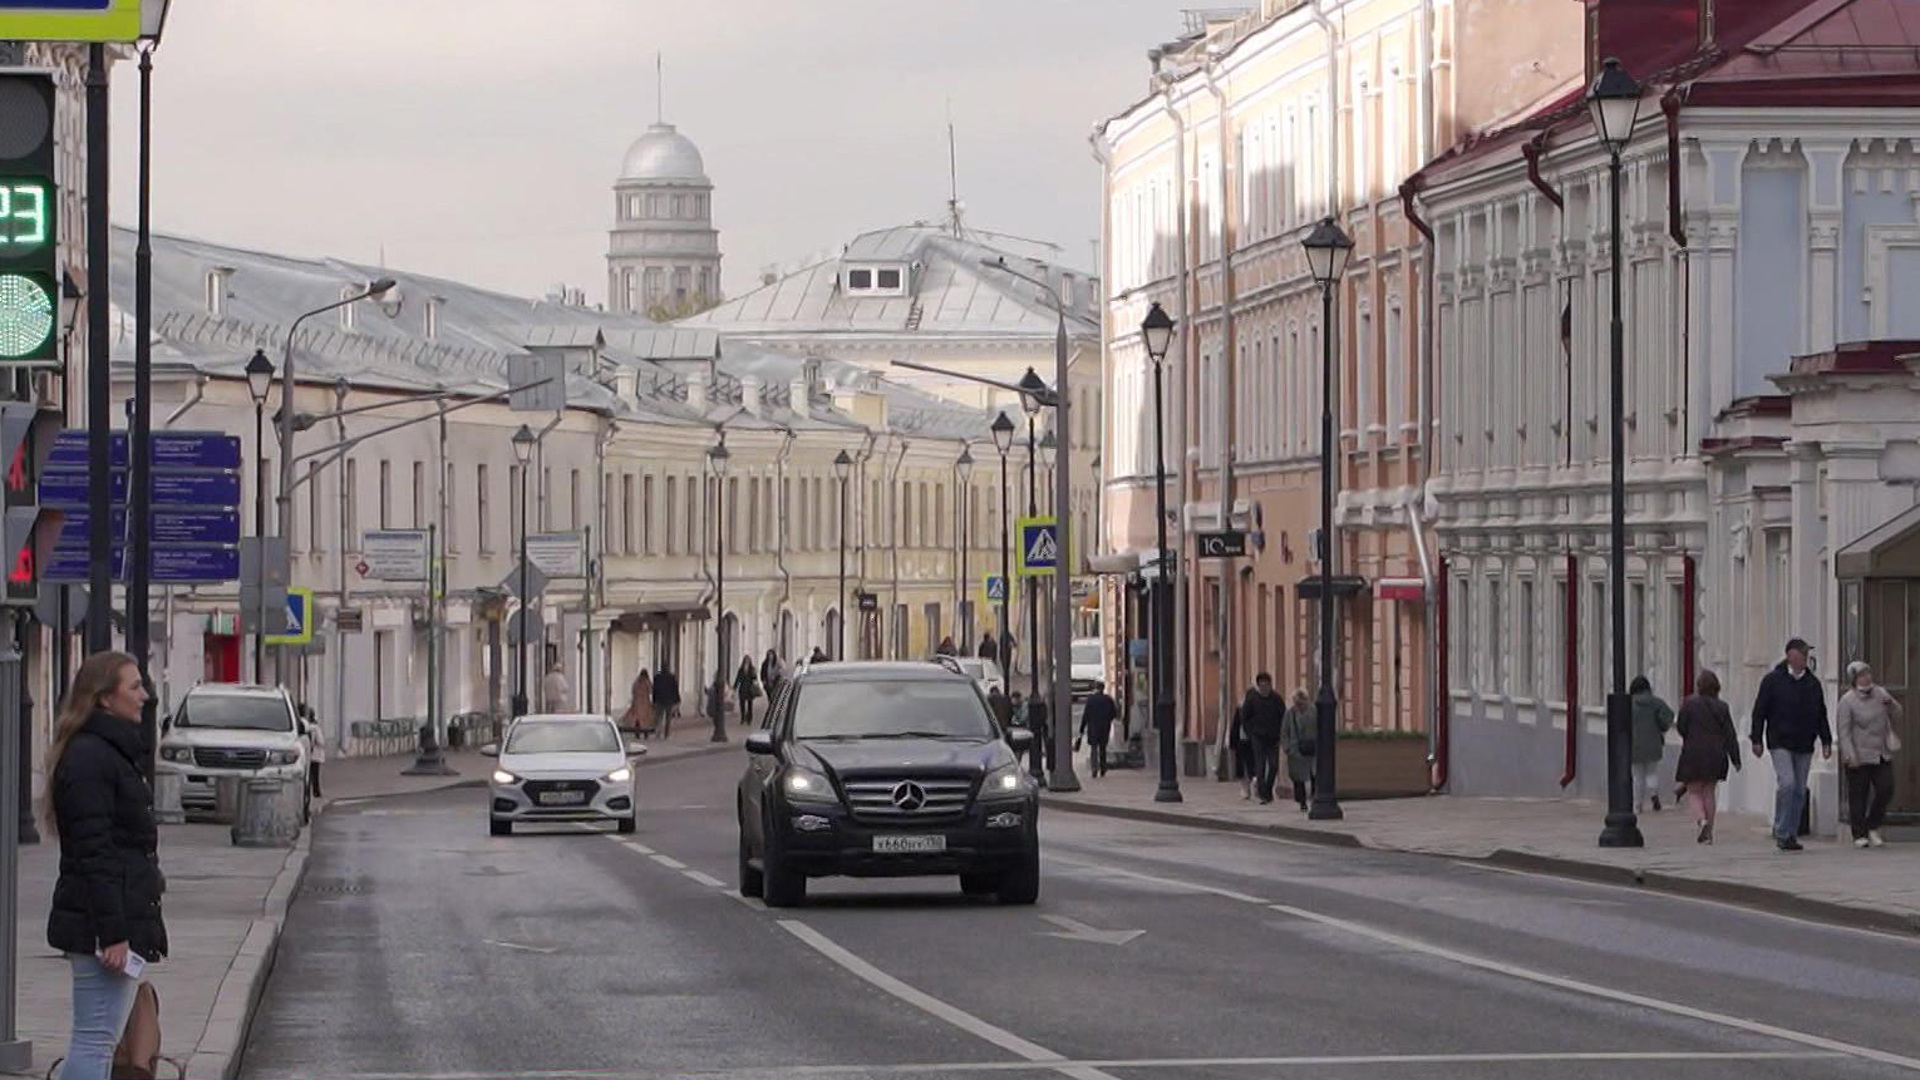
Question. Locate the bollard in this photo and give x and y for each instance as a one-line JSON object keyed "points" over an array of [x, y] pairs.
{"points": [[166, 798], [226, 799], [267, 816]]}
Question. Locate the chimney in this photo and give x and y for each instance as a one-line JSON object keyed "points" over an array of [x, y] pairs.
{"points": [[750, 394], [626, 384], [697, 391], [217, 278]]}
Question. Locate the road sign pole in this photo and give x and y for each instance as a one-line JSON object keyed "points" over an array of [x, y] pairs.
{"points": [[16, 1054], [99, 355]]}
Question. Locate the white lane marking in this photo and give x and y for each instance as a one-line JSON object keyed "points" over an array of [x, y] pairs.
{"points": [[1623, 997], [523, 948], [667, 861], [708, 880], [951, 1014], [1075, 930], [1643, 890], [915, 1068], [1190, 886]]}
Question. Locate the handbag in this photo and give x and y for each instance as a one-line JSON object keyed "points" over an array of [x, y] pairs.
{"points": [[1307, 745], [137, 1057]]}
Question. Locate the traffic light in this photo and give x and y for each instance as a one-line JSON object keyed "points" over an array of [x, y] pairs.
{"points": [[29, 228], [26, 440]]}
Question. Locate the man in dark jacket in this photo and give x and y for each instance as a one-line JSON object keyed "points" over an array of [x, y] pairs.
{"points": [[989, 649], [1789, 714], [1096, 726], [1260, 718], [666, 701]]}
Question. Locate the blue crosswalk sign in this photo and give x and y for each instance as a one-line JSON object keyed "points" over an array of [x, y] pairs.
{"points": [[299, 629], [996, 589], [1039, 546]]}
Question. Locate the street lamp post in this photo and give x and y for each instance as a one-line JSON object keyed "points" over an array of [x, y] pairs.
{"points": [[1328, 249], [1003, 441], [719, 456], [374, 290], [964, 612], [523, 441], [1156, 330], [1614, 100], [259, 381], [1032, 388], [842, 467]]}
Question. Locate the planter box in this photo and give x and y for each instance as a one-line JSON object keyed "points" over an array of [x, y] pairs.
{"points": [[1382, 768]]}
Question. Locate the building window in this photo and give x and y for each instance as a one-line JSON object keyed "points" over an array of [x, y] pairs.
{"points": [[627, 522], [682, 283], [420, 495], [679, 206], [886, 278], [655, 283], [646, 516], [706, 283], [353, 505], [576, 514], [672, 515], [516, 506], [1526, 640], [653, 206], [859, 280], [314, 532], [1496, 637], [482, 516], [630, 289], [693, 515], [452, 520], [347, 292]]}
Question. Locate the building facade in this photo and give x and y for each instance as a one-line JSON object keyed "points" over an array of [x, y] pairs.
{"points": [[1254, 127], [1767, 201]]}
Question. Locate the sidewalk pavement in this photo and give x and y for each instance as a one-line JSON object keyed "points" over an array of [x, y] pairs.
{"points": [[1831, 880], [224, 908]]}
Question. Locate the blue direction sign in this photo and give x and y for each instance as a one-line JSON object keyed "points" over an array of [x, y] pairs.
{"points": [[164, 527], [171, 565], [68, 490], [172, 450]]}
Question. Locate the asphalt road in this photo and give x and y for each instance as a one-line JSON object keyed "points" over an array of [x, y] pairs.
{"points": [[420, 947]]}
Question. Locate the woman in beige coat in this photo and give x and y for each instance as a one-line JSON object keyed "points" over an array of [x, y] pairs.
{"points": [[1863, 728]]}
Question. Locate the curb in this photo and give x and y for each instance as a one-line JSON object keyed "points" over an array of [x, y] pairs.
{"points": [[234, 1004], [1776, 901]]}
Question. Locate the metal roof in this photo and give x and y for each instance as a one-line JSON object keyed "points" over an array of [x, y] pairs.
{"points": [[949, 292]]}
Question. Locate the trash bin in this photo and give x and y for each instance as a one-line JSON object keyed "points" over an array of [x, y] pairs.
{"points": [[226, 799], [456, 736], [166, 798], [267, 816]]}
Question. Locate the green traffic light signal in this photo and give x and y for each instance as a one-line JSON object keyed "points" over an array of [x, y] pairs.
{"points": [[29, 226]]}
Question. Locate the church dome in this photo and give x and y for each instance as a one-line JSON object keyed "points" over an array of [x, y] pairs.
{"points": [[663, 154]]}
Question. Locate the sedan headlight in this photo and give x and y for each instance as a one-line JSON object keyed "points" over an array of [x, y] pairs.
{"points": [[805, 785], [502, 776], [282, 757], [1005, 780], [182, 754], [619, 776]]}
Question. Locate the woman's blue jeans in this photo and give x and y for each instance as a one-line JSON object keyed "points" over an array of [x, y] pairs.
{"points": [[102, 1000]]}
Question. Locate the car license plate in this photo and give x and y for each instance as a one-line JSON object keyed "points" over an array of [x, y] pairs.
{"points": [[562, 798], [906, 844]]}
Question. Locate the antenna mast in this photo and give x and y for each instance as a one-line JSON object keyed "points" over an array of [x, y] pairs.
{"points": [[953, 177], [659, 88]]}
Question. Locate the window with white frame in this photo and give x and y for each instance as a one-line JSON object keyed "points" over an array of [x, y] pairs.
{"points": [[1391, 135], [1396, 370], [1526, 643], [1363, 353], [1362, 144], [1496, 644]]}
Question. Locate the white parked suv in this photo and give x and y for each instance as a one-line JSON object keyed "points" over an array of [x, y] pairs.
{"points": [[231, 730]]}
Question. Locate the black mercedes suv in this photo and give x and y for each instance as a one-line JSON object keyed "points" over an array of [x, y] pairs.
{"points": [[886, 770]]}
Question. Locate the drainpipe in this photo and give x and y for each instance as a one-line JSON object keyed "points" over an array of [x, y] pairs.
{"points": [[1176, 419], [1532, 149], [1319, 17], [1439, 710], [1436, 764], [895, 537], [1223, 424], [780, 546], [199, 391]]}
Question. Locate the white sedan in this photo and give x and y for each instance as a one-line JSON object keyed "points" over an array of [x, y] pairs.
{"points": [[563, 768]]}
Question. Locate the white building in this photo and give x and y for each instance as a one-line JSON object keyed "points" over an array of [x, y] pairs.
{"points": [[1783, 227], [663, 253]]}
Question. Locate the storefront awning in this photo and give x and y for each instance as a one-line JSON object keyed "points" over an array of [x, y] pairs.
{"points": [[1343, 585], [658, 614], [1410, 590], [1892, 550]]}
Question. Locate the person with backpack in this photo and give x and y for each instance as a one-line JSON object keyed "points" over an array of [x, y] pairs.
{"points": [[1299, 733], [1789, 714], [105, 917], [1651, 720]]}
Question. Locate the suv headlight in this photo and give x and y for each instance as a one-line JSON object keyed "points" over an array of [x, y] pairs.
{"points": [[1004, 781], [282, 757], [182, 754], [805, 785]]}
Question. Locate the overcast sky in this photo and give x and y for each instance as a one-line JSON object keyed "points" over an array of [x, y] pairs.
{"points": [[479, 139]]}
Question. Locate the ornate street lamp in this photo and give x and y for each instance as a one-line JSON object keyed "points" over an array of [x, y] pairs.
{"points": [[1003, 441], [1328, 249], [1156, 331], [1614, 100], [523, 443], [719, 456], [842, 467], [964, 612], [259, 381]]}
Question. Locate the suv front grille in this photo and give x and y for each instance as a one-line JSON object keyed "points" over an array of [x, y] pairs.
{"points": [[910, 798], [218, 757]]}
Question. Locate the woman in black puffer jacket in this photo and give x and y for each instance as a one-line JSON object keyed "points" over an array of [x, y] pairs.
{"points": [[106, 904]]}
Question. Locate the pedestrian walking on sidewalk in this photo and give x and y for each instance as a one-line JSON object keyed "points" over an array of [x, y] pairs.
{"points": [[988, 649], [1708, 744], [1789, 714], [1652, 718], [772, 674], [1863, 724], [1096, 725], [1298, 734], [1243, 761], [639, 714], [316, 750], [1263, 715], [1002, 707], [554, 691], [666, 701], [746, 686], [946, 647], [106, 902]]}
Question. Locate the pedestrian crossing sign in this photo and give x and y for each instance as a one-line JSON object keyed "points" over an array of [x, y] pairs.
{"points": [[299, 629], [1039, 546], [994, 587]]}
